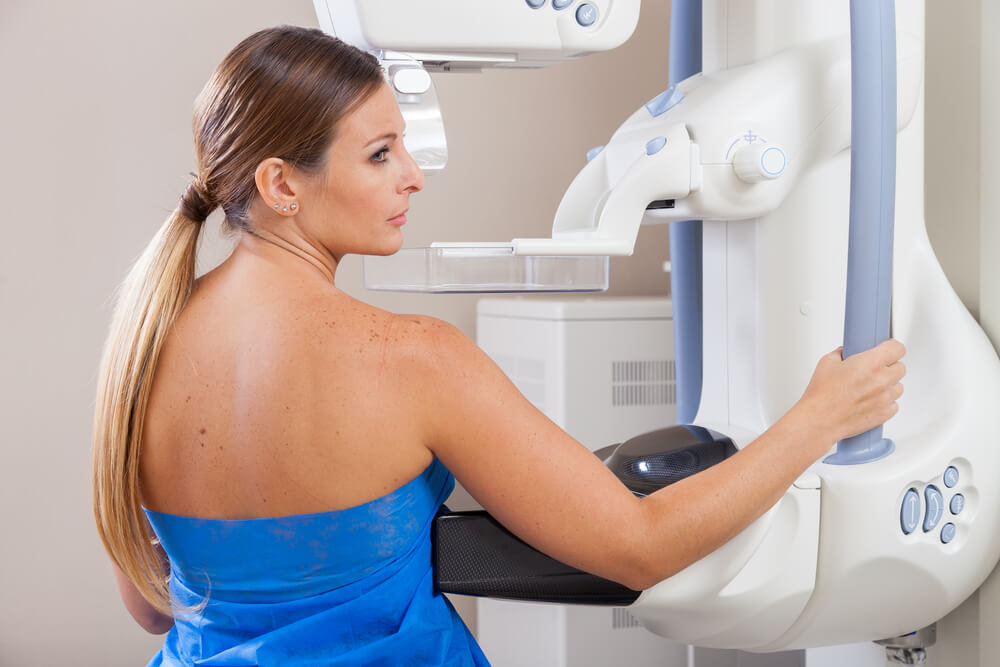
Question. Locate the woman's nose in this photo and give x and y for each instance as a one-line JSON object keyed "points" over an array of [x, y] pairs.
{"points": [[413, 177]]}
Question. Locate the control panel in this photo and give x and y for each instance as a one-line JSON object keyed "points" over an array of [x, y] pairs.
{"points": [[935, 508]]}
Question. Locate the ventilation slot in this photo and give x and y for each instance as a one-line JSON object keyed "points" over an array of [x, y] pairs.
{"points": [[621, 619], [643, 383]]}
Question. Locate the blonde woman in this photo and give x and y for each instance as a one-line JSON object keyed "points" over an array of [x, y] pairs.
{"points": [[269, 452]]}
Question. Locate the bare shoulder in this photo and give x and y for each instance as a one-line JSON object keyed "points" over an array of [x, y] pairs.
{"points": [[436, 356], [421, 337]]}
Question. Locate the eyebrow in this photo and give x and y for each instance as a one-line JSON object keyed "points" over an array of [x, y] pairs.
{"points": [[389, 136]]}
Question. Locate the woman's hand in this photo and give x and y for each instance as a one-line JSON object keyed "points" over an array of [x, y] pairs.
{"points": [[850, 396]]}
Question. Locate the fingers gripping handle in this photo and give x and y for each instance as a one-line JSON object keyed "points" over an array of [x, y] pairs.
{"points": [[873, 196]]}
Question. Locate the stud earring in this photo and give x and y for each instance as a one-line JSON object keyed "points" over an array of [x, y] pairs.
{"points": [[294, 206], [284, 209], [275, 207]]}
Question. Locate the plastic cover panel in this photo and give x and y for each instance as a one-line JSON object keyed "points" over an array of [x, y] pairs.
{"points": [[483, 268]]}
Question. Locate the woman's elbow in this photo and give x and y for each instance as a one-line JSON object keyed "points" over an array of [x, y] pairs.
{"points": [[638, 578], [636, 569], [640, 565]]}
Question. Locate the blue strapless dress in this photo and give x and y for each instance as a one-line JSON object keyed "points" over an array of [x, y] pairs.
{"points": [[347, 587]]}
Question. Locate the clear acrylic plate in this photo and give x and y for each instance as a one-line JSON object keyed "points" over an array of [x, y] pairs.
{"points": [[483, 267]]}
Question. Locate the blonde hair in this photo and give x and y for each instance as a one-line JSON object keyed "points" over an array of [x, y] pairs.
{"points": [[149, 301], [280, 92]]}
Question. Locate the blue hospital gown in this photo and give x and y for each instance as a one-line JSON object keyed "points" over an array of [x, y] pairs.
{"points": [[347, 587]]}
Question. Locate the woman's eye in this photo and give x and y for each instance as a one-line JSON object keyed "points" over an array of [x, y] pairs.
{"points": [[380, 155]]}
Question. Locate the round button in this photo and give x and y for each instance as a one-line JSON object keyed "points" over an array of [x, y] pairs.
{"points": [[758, 162], [562, 4], [951, 476], [586, 14], [947, 532], [772, 161], [957, 503], [535, 4]]}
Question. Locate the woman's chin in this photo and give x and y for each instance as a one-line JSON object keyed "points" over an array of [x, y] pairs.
{"points": [[388, 247]]}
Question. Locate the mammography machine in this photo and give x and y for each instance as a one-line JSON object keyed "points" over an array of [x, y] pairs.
{"points": [[800, 147]]}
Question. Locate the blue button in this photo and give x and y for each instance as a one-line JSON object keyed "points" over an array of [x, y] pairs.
{"points": [[594, 152], [935, 507], [947, 532], [909, 514], [951, 476], [654, 146], [535, 4], [586, 14], [562, 4], [957, 503], [665, 101]]}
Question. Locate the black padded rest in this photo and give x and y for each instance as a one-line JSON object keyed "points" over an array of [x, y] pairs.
{"points": [[475, 555]]}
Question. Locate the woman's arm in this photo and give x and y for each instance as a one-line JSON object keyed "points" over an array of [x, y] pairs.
{"points": [[554, 494], [151, 619]]}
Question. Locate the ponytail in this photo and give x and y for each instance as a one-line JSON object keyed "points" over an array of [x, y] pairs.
{"points": [[149, 301], [280, 93]]}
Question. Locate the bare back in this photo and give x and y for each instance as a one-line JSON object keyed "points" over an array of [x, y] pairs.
{"points": [[277, 394], [273, 396]]}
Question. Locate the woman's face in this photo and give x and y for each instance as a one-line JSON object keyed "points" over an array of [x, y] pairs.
{"points": [[358, 203]]}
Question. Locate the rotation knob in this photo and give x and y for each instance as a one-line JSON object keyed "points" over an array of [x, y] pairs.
{"points": [[758, 162]]}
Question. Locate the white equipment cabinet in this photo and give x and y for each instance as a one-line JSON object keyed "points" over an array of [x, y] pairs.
{"points": [[603, 370]]}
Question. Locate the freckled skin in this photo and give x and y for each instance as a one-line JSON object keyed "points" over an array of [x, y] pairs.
{"points": [[286, 372]]}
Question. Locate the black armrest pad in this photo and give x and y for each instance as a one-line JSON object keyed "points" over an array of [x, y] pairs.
{"points": [[475, 555]]}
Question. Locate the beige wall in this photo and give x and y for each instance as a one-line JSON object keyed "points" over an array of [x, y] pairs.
{"points": [[96, 144], [952, 166], [96, 148], [962, 198], [989, 175]]}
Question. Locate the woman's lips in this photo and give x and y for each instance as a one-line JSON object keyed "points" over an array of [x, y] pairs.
{"points": [[399, 220]]}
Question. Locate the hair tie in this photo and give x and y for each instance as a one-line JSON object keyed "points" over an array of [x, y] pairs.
{"points": [[195, 205]]}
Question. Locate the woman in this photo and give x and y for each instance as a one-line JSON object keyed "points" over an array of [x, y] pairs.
{"points": [[289, 444]]}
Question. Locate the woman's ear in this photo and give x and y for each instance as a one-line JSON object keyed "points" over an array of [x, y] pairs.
{"points": [[274, 184]]}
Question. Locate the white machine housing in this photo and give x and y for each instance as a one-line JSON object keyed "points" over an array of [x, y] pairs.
{"points": [[603, 370], [455, 34], [831, 562]]}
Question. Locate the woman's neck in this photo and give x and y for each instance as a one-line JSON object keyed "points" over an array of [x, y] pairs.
{"points": [[293, 253]]}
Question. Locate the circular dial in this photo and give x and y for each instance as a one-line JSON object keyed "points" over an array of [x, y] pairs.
{"points": [[758, 162]]}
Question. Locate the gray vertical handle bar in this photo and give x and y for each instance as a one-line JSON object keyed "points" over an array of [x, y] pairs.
{"points": [[873, 199]]}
